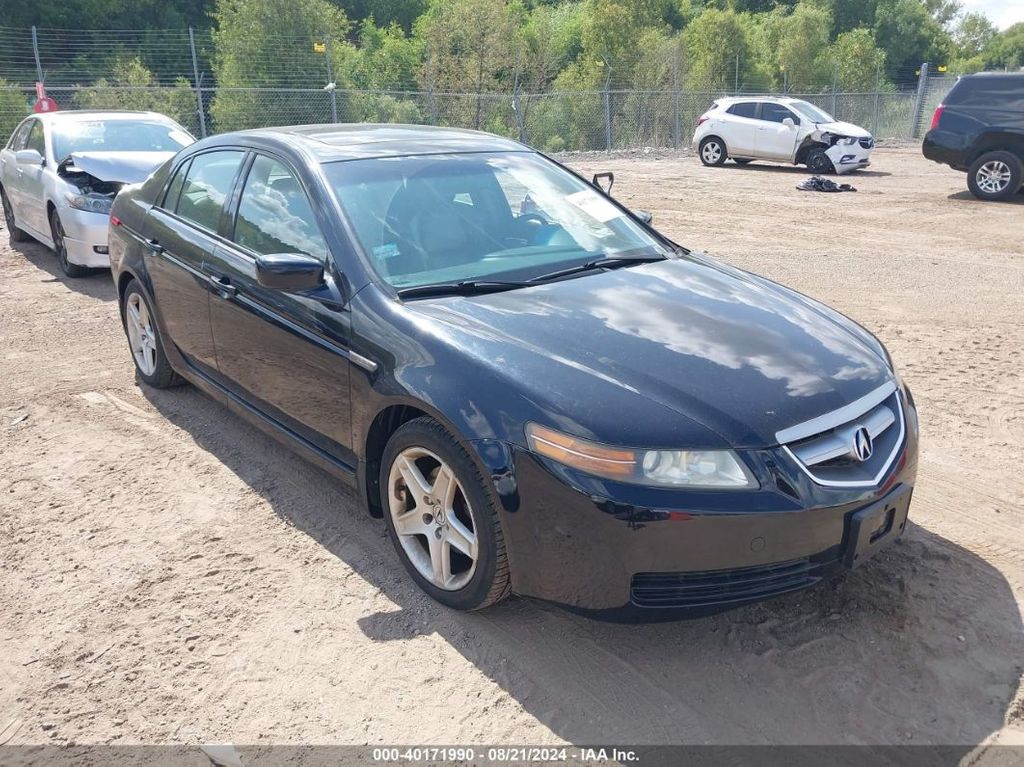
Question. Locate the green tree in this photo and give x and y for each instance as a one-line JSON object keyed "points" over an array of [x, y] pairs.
{"points": [[857, 62], [1007, 50], [719, 45], [384, 59], [132, 86], [276, 44], [909, 35], [13, 108], [798, 45]]}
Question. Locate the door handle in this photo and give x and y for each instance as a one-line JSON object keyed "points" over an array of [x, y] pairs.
{"points": [[222, 284], [155, 246]]}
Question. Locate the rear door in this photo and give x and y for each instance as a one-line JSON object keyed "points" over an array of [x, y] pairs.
{"points": [[739, 128], [774, 140], [284, 353], [182, 231]]}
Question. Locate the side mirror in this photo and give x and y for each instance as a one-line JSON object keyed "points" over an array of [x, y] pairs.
{"points": [[600, 179], [290, 272], [788, 122], [28, 157], [644, 215]]}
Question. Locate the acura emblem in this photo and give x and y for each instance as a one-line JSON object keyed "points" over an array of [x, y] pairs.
{"points": [[862, 446]]}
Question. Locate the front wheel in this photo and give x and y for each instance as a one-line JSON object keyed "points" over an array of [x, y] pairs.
{"points": [[818, 162], [144, 340], [995, 175], [441, 519], [712, 151], [60, 247]]}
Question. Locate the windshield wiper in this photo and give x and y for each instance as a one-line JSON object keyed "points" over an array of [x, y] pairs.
{"points": [[605, 262], [462, 288]]}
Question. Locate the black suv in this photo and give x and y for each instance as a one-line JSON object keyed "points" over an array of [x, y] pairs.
{"points": [[979, 128]]}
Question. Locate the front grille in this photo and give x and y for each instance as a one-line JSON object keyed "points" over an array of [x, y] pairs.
{"points": [[718, 587], [826, 447], [867, 143]]}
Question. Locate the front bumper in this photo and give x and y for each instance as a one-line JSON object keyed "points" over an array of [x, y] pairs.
{"points": [[612, 549], [849, 157], [84, 233]]}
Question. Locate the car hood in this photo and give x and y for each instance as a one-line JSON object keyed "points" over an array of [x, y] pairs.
{"points": [[738, 354], [843, 129], [120, 167]]}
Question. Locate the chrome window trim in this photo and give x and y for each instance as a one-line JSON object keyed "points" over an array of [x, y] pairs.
{"points": [[838, 417], [897, 449]]}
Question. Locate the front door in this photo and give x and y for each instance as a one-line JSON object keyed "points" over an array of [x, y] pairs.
{"points": [[182, 235], [283, 353], [775, 140], [32, 210]]}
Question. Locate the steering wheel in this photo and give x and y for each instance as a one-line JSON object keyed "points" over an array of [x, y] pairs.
{"points": [[534, 218]]}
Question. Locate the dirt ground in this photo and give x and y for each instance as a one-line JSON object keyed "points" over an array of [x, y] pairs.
{"points": [[169, 574]]}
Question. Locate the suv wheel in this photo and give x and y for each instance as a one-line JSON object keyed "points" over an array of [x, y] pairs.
{"points": [[441, 519], [995, 175], [712, 151], [818, 162]]}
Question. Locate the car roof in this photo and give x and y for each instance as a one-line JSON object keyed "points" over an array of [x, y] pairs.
{"points": [[768, 99], [90, 115], [352, 141]]}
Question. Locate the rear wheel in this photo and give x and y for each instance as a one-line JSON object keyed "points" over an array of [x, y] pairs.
{"points": [[712, 151], [61, 249], [995, 175], [13, 232], [818, 162], [441, 519]]}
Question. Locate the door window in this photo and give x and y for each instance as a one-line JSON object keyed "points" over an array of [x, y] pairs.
{"points": [[174, 189], [776, 113], [18, 139], [207, 184], [35, 138], [744, 109], [274, 214]]}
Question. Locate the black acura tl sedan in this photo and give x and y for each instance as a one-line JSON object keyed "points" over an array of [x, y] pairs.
{"points": [[537, 391]]}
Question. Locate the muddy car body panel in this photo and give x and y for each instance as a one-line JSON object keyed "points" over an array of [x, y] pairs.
{"points": [[67, 167], [680, 352]]}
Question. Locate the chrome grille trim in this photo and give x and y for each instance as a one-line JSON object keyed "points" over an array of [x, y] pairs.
{"points": [[836, 418], [878, 418]]}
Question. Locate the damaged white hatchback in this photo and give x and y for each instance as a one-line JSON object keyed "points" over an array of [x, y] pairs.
{"points": [[780, 130], [60, 172]]}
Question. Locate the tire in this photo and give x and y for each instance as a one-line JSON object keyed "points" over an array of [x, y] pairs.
{"points": [[147, 349], [995, 175], [818, 162], [428, 530], [60, 248], [739, 161], [712, 151], [13, 232]]}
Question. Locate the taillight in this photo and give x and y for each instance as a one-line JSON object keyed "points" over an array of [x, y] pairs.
{"points": [[937, 115], [115, 221], [702, 119]]}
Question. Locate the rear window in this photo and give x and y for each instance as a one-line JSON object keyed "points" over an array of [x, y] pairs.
{"points": [[744, 109], [992, 90]]}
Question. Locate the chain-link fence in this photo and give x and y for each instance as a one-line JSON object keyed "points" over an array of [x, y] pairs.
{"points": [[173, 72]]}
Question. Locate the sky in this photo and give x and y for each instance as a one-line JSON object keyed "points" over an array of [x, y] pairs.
{"points": [[1003, 13]]}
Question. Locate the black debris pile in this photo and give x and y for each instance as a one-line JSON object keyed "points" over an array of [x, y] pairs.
{"points": [[819, 184]]}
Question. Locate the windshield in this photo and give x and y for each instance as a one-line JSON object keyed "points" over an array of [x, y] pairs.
{"points": [[117, 136], [425, 220], [812, 112]]}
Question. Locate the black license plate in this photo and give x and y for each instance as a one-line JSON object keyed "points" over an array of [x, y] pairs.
{"points": [[875, 527]]}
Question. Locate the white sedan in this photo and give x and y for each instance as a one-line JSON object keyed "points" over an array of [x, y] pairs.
{"points": [[60, 171], [780, 130]]}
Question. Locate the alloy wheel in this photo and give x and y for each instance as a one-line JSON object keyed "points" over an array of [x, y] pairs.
{"points": [[59, 246], [433, 518], [8, 213], [141, 334], [993, 177], [712, 152]]}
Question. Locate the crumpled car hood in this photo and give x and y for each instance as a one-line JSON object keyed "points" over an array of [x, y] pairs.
{"points": [[843, 129], [121, 167]]}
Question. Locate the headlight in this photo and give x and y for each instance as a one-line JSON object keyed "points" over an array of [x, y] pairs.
{"points": [[93, 203], [706, 469], [850, 141]]}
